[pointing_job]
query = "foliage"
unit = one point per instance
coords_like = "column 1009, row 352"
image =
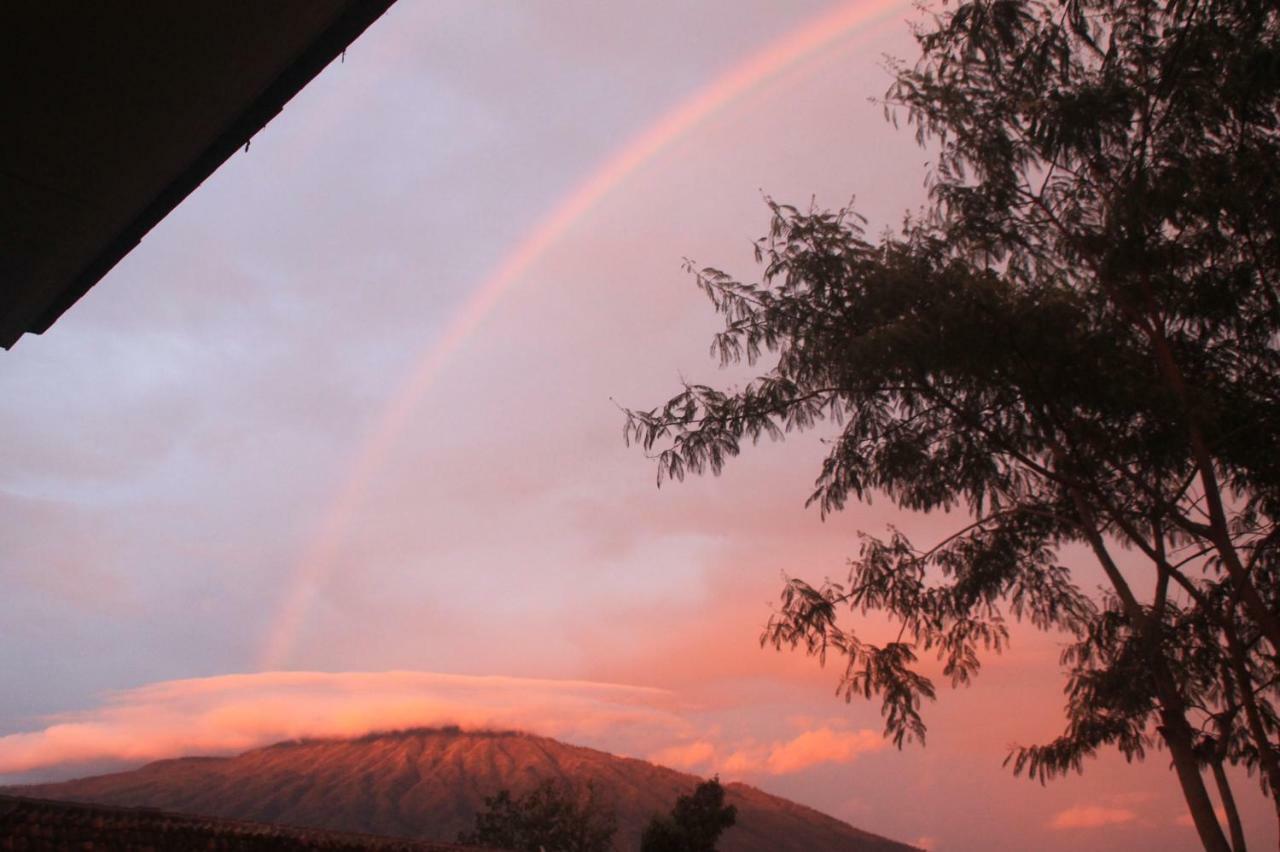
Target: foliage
column 550, row 818
column 695, row 823
column 1076, row 343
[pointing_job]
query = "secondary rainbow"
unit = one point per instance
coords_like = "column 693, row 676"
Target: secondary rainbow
column 816, row 34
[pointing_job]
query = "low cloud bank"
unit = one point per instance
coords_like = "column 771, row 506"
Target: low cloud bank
column 231, row 713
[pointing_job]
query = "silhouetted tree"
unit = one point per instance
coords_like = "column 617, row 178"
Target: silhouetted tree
column 550, row 818
column 695, row 823
column 1077, row 342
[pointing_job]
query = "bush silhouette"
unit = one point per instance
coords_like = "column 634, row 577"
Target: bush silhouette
column 695, row 823
column 552, row 817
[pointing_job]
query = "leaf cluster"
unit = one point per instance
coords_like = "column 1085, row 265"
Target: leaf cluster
column 1076, row 343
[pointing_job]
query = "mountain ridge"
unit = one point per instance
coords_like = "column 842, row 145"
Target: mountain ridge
column 429, row 782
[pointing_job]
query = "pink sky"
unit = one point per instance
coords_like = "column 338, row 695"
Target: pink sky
column 183, row 538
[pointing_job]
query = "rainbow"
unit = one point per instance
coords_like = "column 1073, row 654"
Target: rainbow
column 816, row 34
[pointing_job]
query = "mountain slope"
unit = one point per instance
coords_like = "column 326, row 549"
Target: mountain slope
column 429, row 783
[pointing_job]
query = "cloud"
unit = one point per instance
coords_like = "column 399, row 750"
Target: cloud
column 1091, row 816
column 807, row 749
column 824, row 745
column 231, row 713
column 688, row 756
column 744, row 761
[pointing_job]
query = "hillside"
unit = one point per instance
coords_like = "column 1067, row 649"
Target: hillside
column 429, row 783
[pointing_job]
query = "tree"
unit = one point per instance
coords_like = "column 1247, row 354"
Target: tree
column 1075, row 343
column 550, row 818
column 695, row 823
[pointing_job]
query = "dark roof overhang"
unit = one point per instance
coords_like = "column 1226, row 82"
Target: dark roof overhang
column 114, row 112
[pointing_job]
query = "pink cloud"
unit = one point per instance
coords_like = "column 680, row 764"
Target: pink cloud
column 809, row 748
column 824, row 745
column 745, row 761
column 1091, row 816
column 688, row 756
column 230, row 713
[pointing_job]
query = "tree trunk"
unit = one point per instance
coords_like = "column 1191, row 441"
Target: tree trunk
column 1267, row 758
column 1177, row 735
column 1174, row 727
column 1229, row 806
column 1267, row 622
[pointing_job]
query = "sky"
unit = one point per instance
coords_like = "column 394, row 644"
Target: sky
column 338, row 447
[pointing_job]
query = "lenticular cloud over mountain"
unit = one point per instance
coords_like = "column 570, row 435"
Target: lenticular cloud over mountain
column 231, row 713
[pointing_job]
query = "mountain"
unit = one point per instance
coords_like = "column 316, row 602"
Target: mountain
column 429, row 784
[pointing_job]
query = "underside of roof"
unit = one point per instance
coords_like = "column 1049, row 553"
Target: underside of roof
column 113, row 113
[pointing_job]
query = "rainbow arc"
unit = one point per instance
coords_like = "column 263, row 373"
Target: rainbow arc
column 817, row 34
